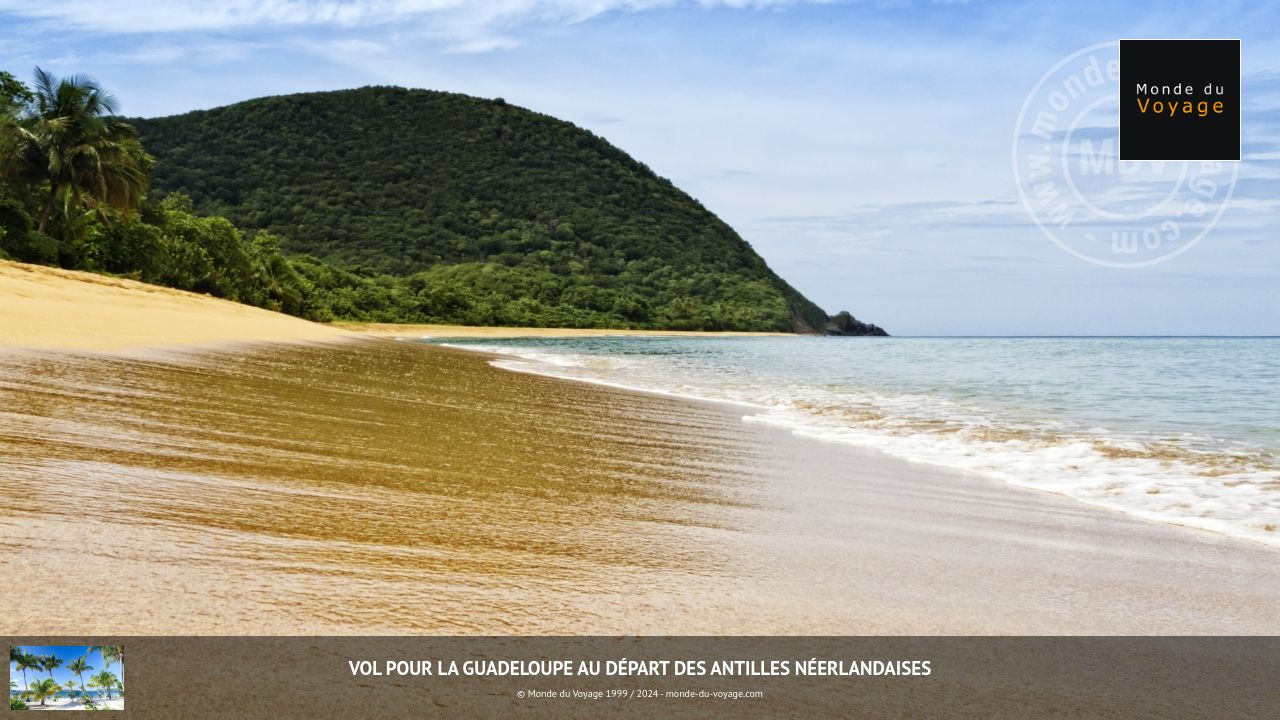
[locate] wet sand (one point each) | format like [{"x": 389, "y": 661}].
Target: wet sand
[{"x": 373, "y": 487}]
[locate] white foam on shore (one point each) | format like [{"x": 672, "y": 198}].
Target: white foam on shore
[{"x": 1228, "y": 489}]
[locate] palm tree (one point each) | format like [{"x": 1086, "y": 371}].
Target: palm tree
[
  {"x": 104, "y": 680},
  {"x": 80, "y": 666},
  {"x": 110, "y": 654},
  {"x": 49, "y": 663},
  {"x": 68, "y": 140},
  {"x": 42, "y": 689},
  {"x": 25, "y": 662}
]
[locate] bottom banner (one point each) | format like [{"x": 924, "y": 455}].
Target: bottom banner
[{"x": 744, "y": 677}]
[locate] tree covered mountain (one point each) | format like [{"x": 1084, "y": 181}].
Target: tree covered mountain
[
  {"x": 470, "y": 210},
  {"x": 377, "y": 205}
]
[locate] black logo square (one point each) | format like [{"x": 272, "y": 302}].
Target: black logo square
[{"x": 1179, "y": 99}]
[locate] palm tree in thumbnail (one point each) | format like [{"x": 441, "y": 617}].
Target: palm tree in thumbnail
[
  {"x": 49, "y": 663},
  {"x": 43, "y": 689},
  {"x": 110, "y": 654},
  {"x": 105, "y": 680},
  {"x": 80, "y": 666},
  {"x": 25, "y": 662}
]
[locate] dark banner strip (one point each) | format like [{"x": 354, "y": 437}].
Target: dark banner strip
[{"x": 871, "y": 677}]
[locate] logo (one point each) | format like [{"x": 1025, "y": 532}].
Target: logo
[
  {"x": 1083, "y": 196},
  {"x": 1180, "y": 99}
]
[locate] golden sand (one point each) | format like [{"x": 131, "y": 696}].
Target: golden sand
[
  {"x": 54, "y": 309},
  {"x": 369, "y": 487},
  {"x": 373, "y": 487}
]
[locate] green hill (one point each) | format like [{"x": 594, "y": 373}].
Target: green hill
[{"x": 486, "y": 212}]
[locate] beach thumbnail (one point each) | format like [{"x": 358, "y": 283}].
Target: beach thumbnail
[{"x": 66, "y": 677}]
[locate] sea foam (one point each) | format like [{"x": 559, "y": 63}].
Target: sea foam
[{"x": 1178, "y": 473}]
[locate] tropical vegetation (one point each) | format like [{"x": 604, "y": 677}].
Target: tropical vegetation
[
  {"x": 376, "y": 204},
  {"x": 80, "y": 666},
  {"x": 491, "y": 213},
  {"x": 40, "y": 690},
  {"x": 24, "y": 662},
  {"x": 43, "y": 689},
  {"x": 105, "y": 680},
  {"x": 110, "y": 654},
  {"x": 49, "y": 663}
]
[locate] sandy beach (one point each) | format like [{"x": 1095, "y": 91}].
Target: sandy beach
[
  {"x": 55, "y": 309},
  {"x": 375, "y": 487},
  {"x": 75, "y": 704}
]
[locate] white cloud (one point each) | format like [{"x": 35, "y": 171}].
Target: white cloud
[
  {"x": 150, "y": 16},
  {"x": 483, "y": 44},
  {"x": 357, "y": 45},
  {"x": 458, "y": 26}
]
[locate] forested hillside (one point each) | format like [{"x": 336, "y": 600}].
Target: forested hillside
[
  {"x": 488, "y": 213},
  {"x": 377, "y": 205}
]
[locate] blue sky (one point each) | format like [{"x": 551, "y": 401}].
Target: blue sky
[
  {"x": 64, "y": 677},
  {"x": 863, "y": 148}
]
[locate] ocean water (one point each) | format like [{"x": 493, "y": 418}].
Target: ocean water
[
  {"x": 1179, "y": 430},
  {"x": 95, "y": 694}
]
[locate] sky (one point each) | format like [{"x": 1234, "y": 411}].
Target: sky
[
  {"x": 62, "y": 676},
  {"x": 863, "y": 148}
]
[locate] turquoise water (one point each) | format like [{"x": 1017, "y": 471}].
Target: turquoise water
[
  {"x": 95, "y": 694},
  {"x": 1181, "y": 430}
]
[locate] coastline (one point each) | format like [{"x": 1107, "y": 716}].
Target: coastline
[
  {"x": 48, "y": 308},
  {"x": 1137, "y": 473},
  {"x": 74, "y": 704},
  {"x": 403, "y": 331},
  {"x": 370, "y": 487}
]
